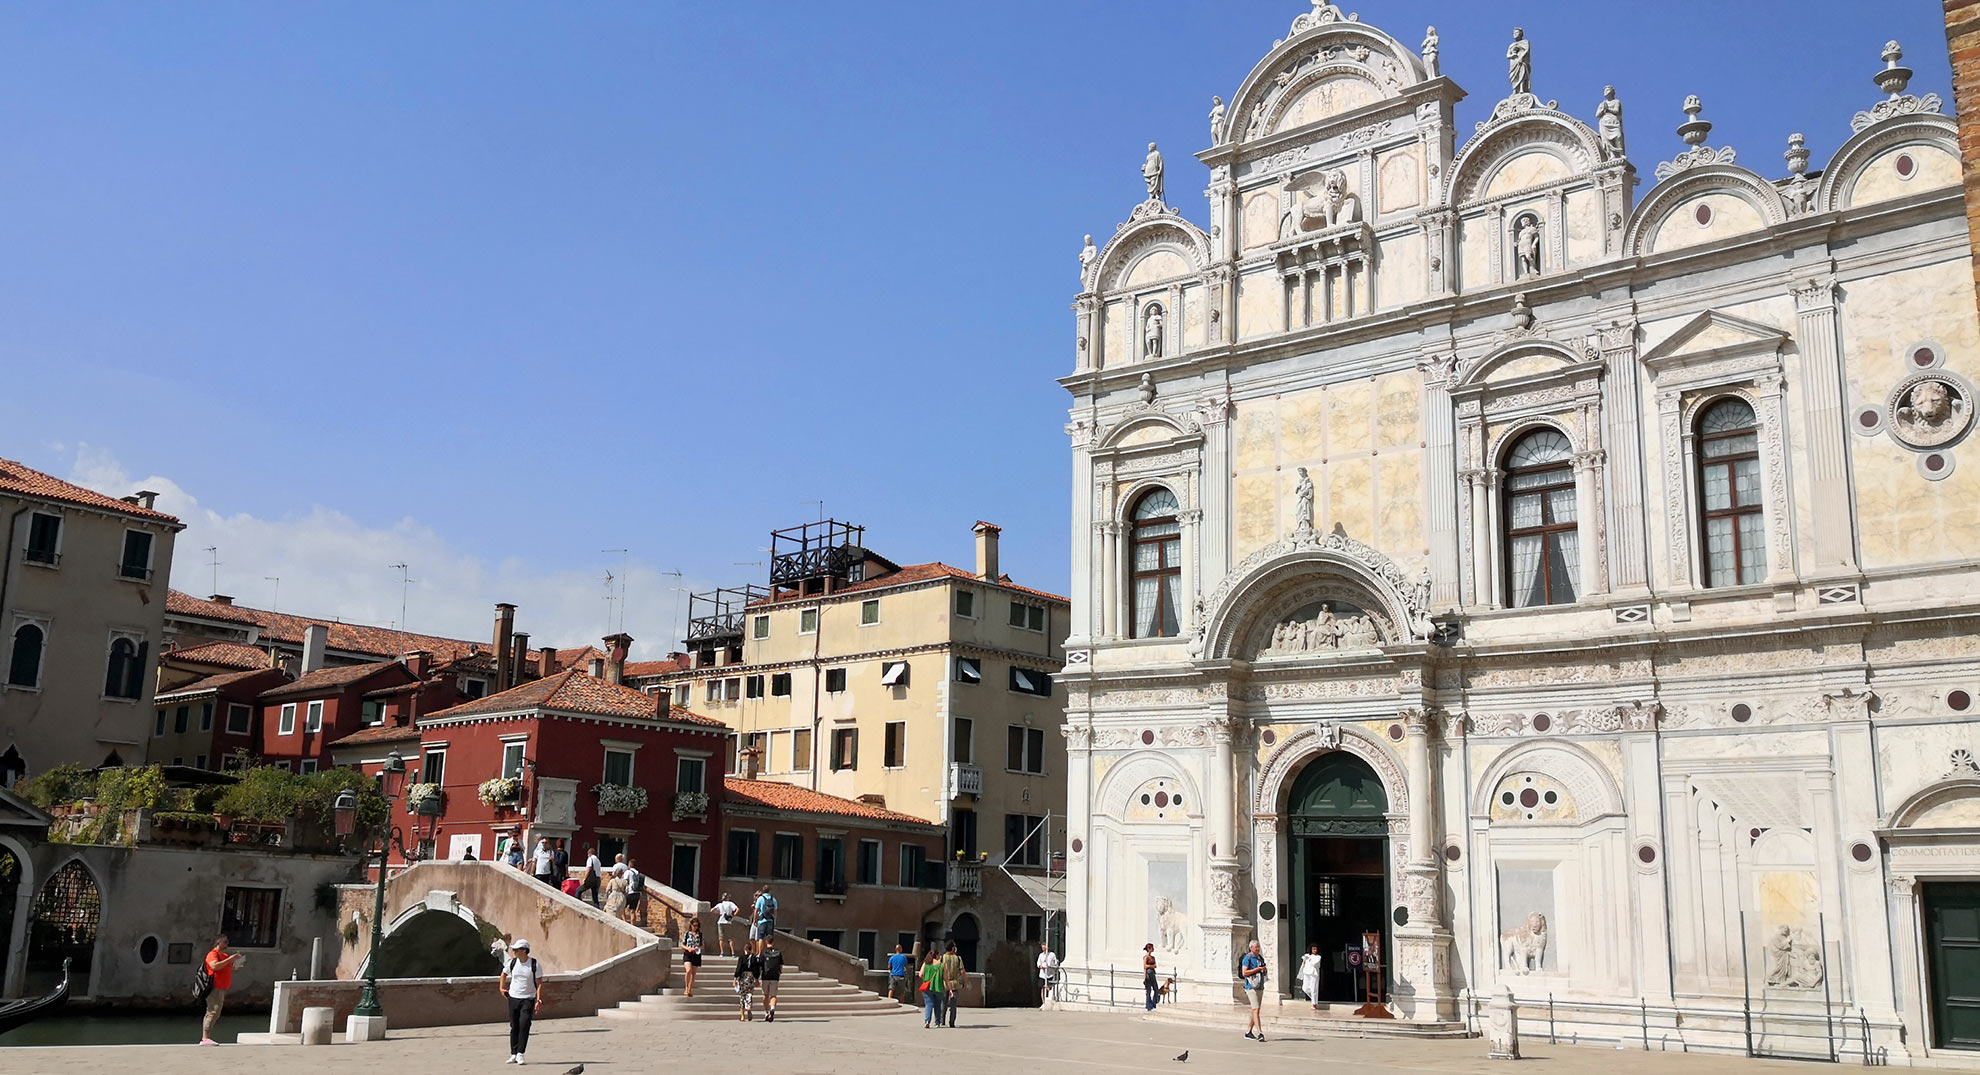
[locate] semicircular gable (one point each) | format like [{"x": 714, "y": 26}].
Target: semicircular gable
[
  {"x": 1149, "y": 252},
  {"x": 1521, "y": 151},
  {"x": 1326, "y": 68},
  {"x": 1702, "y": 204},
  {"x": 1144, "y": 428},
  {"x": 1527, "y": 357},
  {"x": 1866, "y": 169}
]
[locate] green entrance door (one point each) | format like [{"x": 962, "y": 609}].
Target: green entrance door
[
  {"x": 1952, "y": 939},
  {"x": 1338, "y": 857}
]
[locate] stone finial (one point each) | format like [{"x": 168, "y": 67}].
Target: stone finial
[
  {"x": 1797, "y": 153},
  {"x": 1693, "y": 130},
  {"x": 1522, "y": 314},
  {"x": 1893, "y": 78}
]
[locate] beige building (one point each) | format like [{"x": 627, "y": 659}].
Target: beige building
[
  {"x": 1529, "y": 560},
  {"x": 82, "y": 598},
  {"x": 926, "y": 689}
]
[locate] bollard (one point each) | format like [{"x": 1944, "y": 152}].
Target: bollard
[
  {"x": 316, "y": 1025},
  {"x": 1502, "y": 1024}
]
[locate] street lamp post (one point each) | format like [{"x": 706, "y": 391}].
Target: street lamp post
[{"x": 391, "y": 777}]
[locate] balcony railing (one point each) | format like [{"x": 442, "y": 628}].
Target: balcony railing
[
  {"x": 965, "y": 779},
  {"x": 966, "y": 878},
  {"x": 829, "y": 886}
]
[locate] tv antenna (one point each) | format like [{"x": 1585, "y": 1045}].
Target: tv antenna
[
  {"x": 405, "y": 585},
  {"x": 277, "y": 599},
  {"x": 821, "y": 508},
  {"x": 622, "y": 590},
  {"x": 213, "y": 553}
]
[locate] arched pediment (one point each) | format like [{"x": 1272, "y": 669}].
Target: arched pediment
[
  {"x": 1864, "y": 169},
  {"x": 1120, "y": 789},
  {"x": 1947, "y": 804},
  {"x": 1282, "y": 766},
  {"x": 1150, "y": 251},
  {"x": 1522, "y": 150},
  {"x": 1278, "y": 577},
  {"x": 1734, "y": 201},
  {"x": 1328, "y": 67},
  {"x": 1520, "y": 358},
  {"x": 1587, "y": 790}
]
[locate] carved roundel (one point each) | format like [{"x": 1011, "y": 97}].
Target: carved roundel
[
  {"x": 1862, "y": 854},
  {"x": 1161, "y": 799},
  {"x": 1646, "y": 856},
  {"x": 1935, "y": 466},
  {"x": 1532, "y": 797},
  {"x": 1924, "y": 355},
  {"x": 1928, "y": 410},
  {"x": 1868, "y": 421}
]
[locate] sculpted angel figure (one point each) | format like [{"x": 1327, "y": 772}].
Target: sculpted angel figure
[
  {"x": 1519, "y": 62},
  {"x": 1608, "y": 123}
]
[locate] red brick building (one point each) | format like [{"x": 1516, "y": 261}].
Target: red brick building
[
  {"x": 573, "y": 757},
  {"x": 214, "y": 721}
]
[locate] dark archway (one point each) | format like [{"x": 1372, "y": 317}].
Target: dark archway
[
  {"x": 63, "y": 925},
  {"x": 966, "y": 933},
  {"x": 1335, "y": 816},
  {"x": 10, "y": 894},
  {"x": 436, "y": 944}
]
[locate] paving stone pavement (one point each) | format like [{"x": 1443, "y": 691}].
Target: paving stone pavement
[{"x": 1001, "y": 1041}]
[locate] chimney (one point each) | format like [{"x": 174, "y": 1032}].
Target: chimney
[
  {"x": 546, "y": 662},
  {"x": 986, "y": 550},
  {"x": 597, "y": 669},
  {"x": 316, "y": 641},
  {"x": 143, "y": 498},
  {"x": 505, "y": 629},
  {"x": 417, "y": 661},
  {"x": 521, "y": 652},
  {"x": 222, "y": 599},
  {"x": 749, "y": 763},
  {"x": 617, "y": 646}
]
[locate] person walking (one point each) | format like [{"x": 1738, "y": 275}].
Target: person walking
[
  {"x": 748, "y": 966},
  {"x": 898, "y": 966},
  {"x": 1309, "y": 974},
  {"x": 1148, "y": 983},
  {"x": 932, "y": 997},
  {"x": 1252, "y": 970},
  {"x": 615, "y": 896},
  {"x": 691, "y": 953},
  {"x": 953, "y": 980},
  {"x": 773, "y": 973},
  {"x": 560, "y": 861},
  {"x": 1048, "y": 972},
  {"x": 725, "y": 912},
  {"x": 545, "y": 862},
  {"x": 594, "y": 875},
  {"x": 219, "y": 967},
  {"x": 766, "y": 919},
  {"x": 635, "y": 893},
  {"x": 521, "y": 982}
]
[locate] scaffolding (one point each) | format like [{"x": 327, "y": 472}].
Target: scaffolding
[{"x": 718, "y": 615}]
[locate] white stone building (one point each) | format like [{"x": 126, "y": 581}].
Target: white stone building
[{"x": 1569, "y": 583}]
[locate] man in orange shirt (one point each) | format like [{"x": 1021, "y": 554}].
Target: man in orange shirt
[{"x": 220, "y": 966}]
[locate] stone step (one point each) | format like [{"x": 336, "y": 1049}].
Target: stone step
[{"x": 1303, "y": 1019}]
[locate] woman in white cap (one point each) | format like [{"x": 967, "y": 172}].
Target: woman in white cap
[{"x": 521, "y": 977}]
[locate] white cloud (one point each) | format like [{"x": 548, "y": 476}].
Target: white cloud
[{"x": 334, "y": 566}]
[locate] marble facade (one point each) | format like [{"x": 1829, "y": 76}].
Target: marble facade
[{"x": 1665, "y": 785}]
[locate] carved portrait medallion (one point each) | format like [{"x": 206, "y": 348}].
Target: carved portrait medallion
[{"x": 1929, "y": 410}]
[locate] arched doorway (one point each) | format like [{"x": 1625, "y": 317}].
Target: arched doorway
[
  {"x": 1338, "y": 857},
  {"x": 436, "y": 944},
  {"x": 966, "y": 933},
  {"x": 63, "y": 926}
]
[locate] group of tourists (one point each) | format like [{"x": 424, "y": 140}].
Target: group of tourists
[
  {"x": 618, "y": 889},
  {"x": 942, "y": 979}
]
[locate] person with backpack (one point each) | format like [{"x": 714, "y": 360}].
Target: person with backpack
[
  {"x": 521, "y": 982},
  {"x": 1252, "y": 970},
  {"x": 748, "y": 966},
  {"x": 594, "y": 875},
  {"x": 773, "y": 972},
  {"x": 953, "y": 978},
  {"x": 725, "y": 911},
  {"x": 766, "y": 920},
  {"x": 210, "y": 985},
  {"x": 933, "y": 997},
  {"x": 635, "y": 892}
]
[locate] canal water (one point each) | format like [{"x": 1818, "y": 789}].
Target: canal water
[{"x": 128, "y": 1028}]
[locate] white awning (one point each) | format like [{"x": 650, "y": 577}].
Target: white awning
[{"x": 895, "y": 674}]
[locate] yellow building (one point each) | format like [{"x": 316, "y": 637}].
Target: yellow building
[{"x": 926, "y": 688}]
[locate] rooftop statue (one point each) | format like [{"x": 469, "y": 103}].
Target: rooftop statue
[
  {"x": 1151, "y": 173},
  {"x": 1519, "y": 62},
  {"x": 1430, "y": 51},
  {"x": 1216, "y": 119},
  {"x": 1608, "y": 124}
]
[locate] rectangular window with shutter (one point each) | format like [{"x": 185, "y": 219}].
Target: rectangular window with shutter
[
  {"x": 896, "y": 754},
  {"x": 1024, "y": 749},
  {"x": 835, "y": 680},
  {"x": 742, "y": 853},
  {"x": 894, "y": 674},
  {"x": 801, "y": 750},
  {"x": 780, "y": 685},
  {"x": 962, "y": 740},
  {"x": 753, "y": 687},
  {"x": 787, "y": 857},
  {"x": 845, "y": 749},
  {"x": 966, "y": 604},
  {"x": 1028, "y": 681},
  {"x": 969, "y": 670}
]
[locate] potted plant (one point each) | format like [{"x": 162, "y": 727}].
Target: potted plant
[
  {"x": 620, "y": 798},
  {"x": 500, "y": 791}
]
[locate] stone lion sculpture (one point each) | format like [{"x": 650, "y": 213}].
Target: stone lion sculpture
[
  {"x": 1523, "y": 947},
  {"x": 1170, "y": 925},
  {"x": 1333, "y": 204}
]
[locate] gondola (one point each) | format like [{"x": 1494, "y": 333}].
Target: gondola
[{"x": 26, "y": 1010}]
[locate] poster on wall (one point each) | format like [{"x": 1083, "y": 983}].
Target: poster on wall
[
  {"x": 1526, "y": 916},
  {"x": 461, "y": 844},
  {"x": 1168, "y": 906}
]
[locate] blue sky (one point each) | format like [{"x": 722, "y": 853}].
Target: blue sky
[{"x": 492, "y": 287}]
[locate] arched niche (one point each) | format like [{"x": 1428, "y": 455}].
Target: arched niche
[
  {"x": 1280, "y": 577},
  {"x": 1149, "y": 253},
  {"x": 1867, "y": 168},
  {"x": 1522, "y": 152},
  {"x": 1121, "y": 788},
  {"x": 1709, "y": 203},
  {"x": 1582, "y": 781}
]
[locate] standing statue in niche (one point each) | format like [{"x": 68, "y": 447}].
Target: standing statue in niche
[
  {"x": 1608, "y": 124},
  {"x": 1216, "y": 120},
  {"x": 1303, "y": 504},
  {"x": 1151, "y": 332},
  {"x": 1087, "y": 254},
  {"x": 1151, "y": 173},
  {"x": 1524, "y": 947},
  {"x": 1519, "y": 62},
  {"x": 1526, "y": 246},
  {"x": 1430, "y": 51},
  {"x": 1792, "y": 962}
]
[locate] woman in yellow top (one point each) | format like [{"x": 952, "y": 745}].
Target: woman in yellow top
[{"x": 932, "y": 993}]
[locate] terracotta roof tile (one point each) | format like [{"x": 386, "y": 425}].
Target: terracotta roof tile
[
  {"x": 344, "y": 637},
  {"x": 379, "y": 733},
  {"x": 791, "y": 797},
  {"x": 331, "y": 680},
  {"x": 677, "y": 663},
  {"x": 913, "y": 573},
  {"x": 15, "y": 478},
  {"x": 573, "y": 691},
  {"x": 224, "y": 679},
  {"x": 222, "y": 655}
]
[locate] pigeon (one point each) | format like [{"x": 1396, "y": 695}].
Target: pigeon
[
  {"x": 579, "y": 1070},
  {"x": 1184, "y": 1057}
]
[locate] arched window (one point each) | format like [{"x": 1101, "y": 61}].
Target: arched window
[
  {"x": 1542, "y": 557},
  {"x": 1157, "y": 572},
  {"x": 124, "y": 678},
  {"x": 1729, "y": 494},
  {"x": 24, "y": 670}
]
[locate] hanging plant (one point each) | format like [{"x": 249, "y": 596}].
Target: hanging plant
[
  {"x": 620, "y": 799},
  {"x": 499, "y": 791},
  {"x": 690, "y": 804}
]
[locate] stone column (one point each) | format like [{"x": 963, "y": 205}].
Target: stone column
[
  {"x": 1874, "y": 952},
  {"x": 1214, "y": 484},
  {"x": 1819, "y": 339},
  {"x": 1224, "y": 928},
  {"x": 1678, "y": 465},
  {"x": 1492, "y": 585},
  {"x": 1191, "y": 521},
  {"x": 1439, "y": 251},
  {"x": 1422, "y": 965},
  {"x": 1590, "y": 537},
  {"x": 1623, "y": 436},
  {"x": 1778, "y": 502},
  {"x": 1110, "y": 582},
  {"x": 1082, "y": 627},
  {"x": 1079, "y": 814},
  {"x": 1440, "y": 477},
  {"x": 1267, "y": 831}
]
